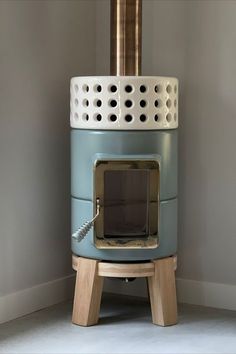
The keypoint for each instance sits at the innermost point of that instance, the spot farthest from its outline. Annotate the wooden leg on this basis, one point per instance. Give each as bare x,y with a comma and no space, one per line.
88,292
163,292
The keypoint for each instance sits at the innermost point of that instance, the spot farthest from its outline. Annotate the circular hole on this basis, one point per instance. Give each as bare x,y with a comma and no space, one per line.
143,103
113,103
85,103
113,117
156,117
85,117
143,88
76,102
175,89
175,103
76,88
168,89
157,88
168,103
128,88
143,118
156,103
175,116
97,88
168,117
85,88
113,88
128,118
128,103
98,103
76,116
98,117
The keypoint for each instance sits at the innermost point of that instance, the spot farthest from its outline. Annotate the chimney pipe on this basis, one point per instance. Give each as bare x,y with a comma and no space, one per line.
126,37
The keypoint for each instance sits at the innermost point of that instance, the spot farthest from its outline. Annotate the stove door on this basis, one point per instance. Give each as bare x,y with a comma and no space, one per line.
128,193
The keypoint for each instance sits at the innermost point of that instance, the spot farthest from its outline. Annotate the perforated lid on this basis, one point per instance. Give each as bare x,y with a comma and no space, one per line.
124,102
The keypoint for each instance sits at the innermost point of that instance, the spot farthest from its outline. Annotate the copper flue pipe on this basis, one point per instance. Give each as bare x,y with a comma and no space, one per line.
126,37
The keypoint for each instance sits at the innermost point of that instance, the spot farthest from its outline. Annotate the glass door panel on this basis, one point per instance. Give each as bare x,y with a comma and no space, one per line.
126,203
128,193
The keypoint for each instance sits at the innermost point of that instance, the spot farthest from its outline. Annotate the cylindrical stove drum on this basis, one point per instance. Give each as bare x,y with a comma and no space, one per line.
124,155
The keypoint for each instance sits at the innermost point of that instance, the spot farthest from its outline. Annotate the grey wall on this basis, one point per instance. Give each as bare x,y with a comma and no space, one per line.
207,233
42,44
196,42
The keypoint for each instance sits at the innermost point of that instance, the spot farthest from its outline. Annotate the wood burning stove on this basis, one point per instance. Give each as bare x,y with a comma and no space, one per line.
130,166
124,153
124,176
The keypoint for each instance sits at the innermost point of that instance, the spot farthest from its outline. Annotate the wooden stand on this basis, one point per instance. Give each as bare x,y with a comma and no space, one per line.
160,274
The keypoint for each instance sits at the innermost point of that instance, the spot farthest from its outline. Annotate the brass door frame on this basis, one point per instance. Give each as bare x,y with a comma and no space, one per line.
152,240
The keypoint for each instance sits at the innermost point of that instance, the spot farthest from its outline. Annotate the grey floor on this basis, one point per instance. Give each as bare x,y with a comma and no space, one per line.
124,327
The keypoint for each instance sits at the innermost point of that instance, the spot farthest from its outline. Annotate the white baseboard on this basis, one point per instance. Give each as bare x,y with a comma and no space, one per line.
44,295
222,296
33,299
